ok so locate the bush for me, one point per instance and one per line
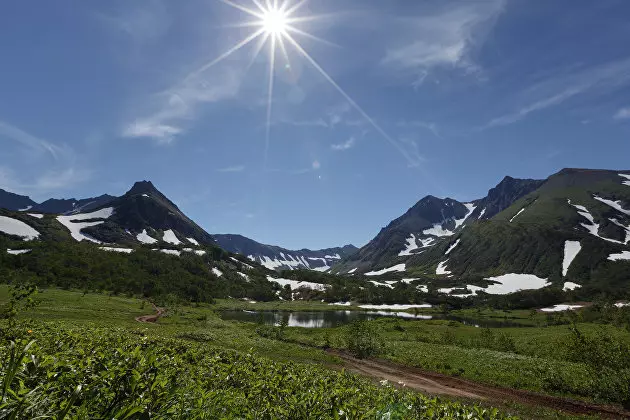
(364, 340)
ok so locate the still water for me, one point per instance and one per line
(330, 319)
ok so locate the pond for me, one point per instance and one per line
(331, 319)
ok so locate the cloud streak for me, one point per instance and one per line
(229, 169)
(555, 91)
(622, 114)
(442, 39)
(346, 145)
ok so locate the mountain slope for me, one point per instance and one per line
(430, 222)
(277, 258)
(575, 227)
(72, 205)
(11, 201)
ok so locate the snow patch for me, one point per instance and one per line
(74, 225)
(519, 212)
(333, 257)
(294, 284)
(592, 227)
(169, 236)
(438, 230)
(170, 251)
(571, 249)
(395, 307)
(112, 249)
(352, 271)
(409, 247)
(423, 288)
(217, 272)
(341, 303)
(471, 208)
(627, 177)
(570, 286)
(482, 213)
(510, 283)
(36, 215)
(441, 268)
(145, 238)
(379, 284)
(18, 251)
(452, 247)
(16, 227)
(398, 267)
(245, 276)
(193, 241)
(626, 228)
(561, 308)
(614, 204)
(624, 255)
(27, 208)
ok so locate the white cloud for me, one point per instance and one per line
(348, 144)
(236, 168)
(415, 158)
(622, 114)
(178, 105)
(566, 85)
(34, 143)
(445, 38)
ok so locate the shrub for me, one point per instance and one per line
(364, 340)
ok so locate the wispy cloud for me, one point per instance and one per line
(236, 168)
(445, 38)
(36, 144)
(622, 114)
(51, 166)
(348, 144)
(179, 104)
(432, 127)
(319, 122)
(594, 80)
(413, 151)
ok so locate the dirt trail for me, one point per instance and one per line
(440, 384)
(153, 317)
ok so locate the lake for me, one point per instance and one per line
(331, 319)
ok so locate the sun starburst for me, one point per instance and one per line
(274, 24)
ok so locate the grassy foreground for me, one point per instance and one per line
(84, 356)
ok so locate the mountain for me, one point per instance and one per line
(72, 205)
(15, 202)
(143, 214)
(569, 231)
(430, 221)
(277, 258)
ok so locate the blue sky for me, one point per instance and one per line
(446, 98)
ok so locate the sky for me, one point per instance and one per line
(371, 104)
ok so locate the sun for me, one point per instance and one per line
(275, 21)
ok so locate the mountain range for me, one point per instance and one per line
(568, 231)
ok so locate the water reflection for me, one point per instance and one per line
(331, 319)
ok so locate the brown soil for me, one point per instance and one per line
(440, 384)
(154, 317)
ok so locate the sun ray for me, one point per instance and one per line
(351, 101)
(242, 8)
(295, 7)
(260, 6)
(272, 61)
(284, 51)
(226, 54)
(313, 37)
(261, 43)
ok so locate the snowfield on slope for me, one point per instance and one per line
(294, 284)
(511, 282)
(145, 238)
(571, 249)
(16, 227)
(169, 236)
(74, 225)
(561, 308)
(397, 267)
(516, 215)
(568, 285)
(121, 250)
(624, 255)
(441, 269)
(614, 204)
(452, 247)
(18, 251)
(627, 177)
(592, 227)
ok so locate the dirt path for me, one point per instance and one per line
(440, 384)
(153, 317)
